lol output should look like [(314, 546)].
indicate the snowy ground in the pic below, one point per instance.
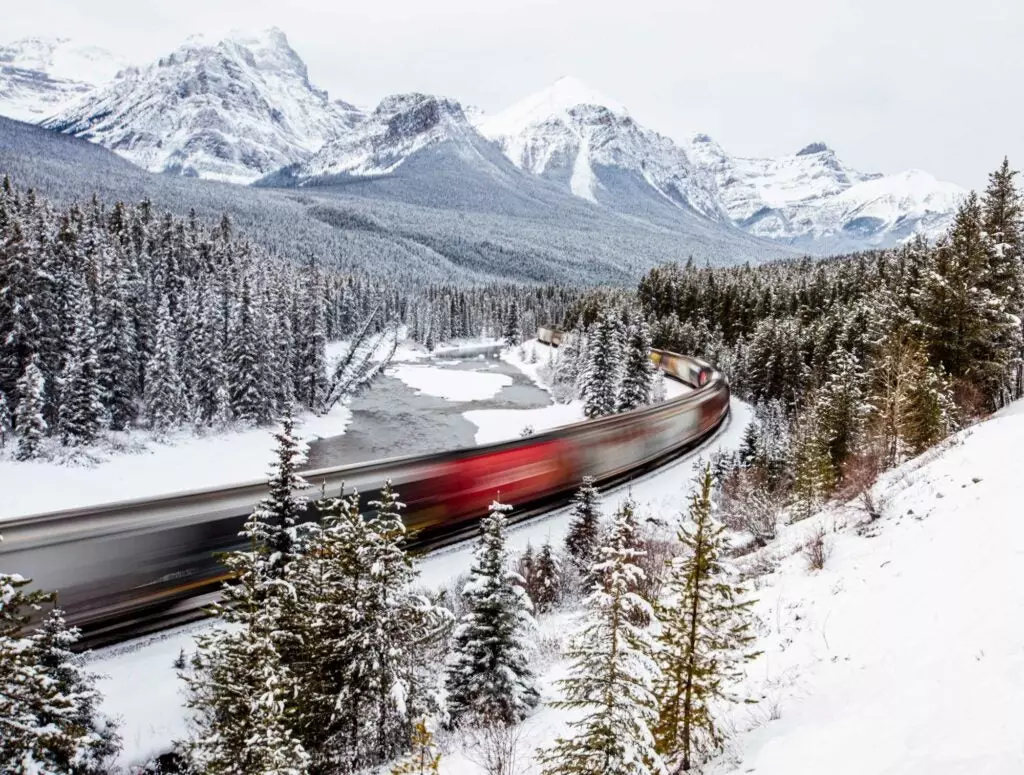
[(439, 382), (140, 466)]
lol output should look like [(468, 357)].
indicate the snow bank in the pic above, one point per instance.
[(450, 384), (143, 467), (906, 653)]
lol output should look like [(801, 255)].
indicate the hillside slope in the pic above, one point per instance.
[(906, 653)]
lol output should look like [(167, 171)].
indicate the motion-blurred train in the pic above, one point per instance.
[(129, 561)]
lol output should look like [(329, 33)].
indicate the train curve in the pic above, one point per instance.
[(125, 568)]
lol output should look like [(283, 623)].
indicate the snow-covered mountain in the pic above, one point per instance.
[(231, 110), (401, 125), (571, 134), (813, 199), (41, 76)]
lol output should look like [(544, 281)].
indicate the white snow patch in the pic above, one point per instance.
[(583, 179), (143, 467), (450, 384)]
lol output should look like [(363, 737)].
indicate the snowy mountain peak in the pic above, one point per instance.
[(556, 102), (234, 109), (39, 76), (400, 126), (814, 148)]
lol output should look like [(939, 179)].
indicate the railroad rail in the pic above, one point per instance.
[(125, 568)]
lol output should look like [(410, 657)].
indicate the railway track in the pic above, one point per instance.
[(133, 568)]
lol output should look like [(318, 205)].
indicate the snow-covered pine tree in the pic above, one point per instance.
[(246, 386), (840, 406), (28, 416), (49, 720), (706, 636), (489, 679), (81, 410), (612, 675), (397, 625), (87, 741), (546, 586), (638, 370), (166, 400), (116, 355), (243, 691), (274, 520), (511, 333), (583, 536), (748, 446), (6, 421), (813, 474), (600, 381)]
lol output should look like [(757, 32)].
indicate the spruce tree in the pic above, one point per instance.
[(611, 676), (49, 719), (583, 537), (6, 421), (273, 523), (166, 399), (600, 381), (80, 409), (116, 355), (489, 680), (638, 370), (706, 636), (813, 474), (28, 417), (546, 582), (249, 400), (511, 333), (244, 691)]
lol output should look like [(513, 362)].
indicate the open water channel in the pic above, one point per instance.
[(392, 419)]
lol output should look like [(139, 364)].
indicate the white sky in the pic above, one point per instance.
[(890, 84)]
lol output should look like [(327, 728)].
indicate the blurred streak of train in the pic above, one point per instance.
[(112, 562)]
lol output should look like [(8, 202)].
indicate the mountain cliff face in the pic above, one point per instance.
[(401, 125), (231, 110), (40, 76)]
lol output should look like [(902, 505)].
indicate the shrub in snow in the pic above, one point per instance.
[(817, 548), (423, 759)]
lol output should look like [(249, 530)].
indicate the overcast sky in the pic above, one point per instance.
[(889, 84)]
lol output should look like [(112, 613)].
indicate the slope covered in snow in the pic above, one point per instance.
[(232, 110), (40, 76), (906, 653)]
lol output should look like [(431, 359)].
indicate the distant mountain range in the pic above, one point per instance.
[(242, 110)]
